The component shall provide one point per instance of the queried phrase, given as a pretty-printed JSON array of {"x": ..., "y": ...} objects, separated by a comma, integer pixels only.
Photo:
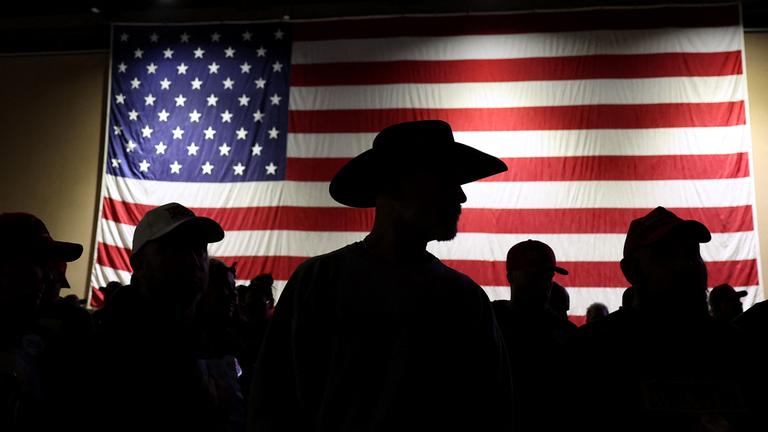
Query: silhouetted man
[
  {"x": 535, "y": 336},
  {"x": 153, "y": 378},
  {"x": 663, "y": 347},
  {"x": 28, "y": 256},
  {"x": 725, "y": 303},
  {"x": 380, "y": 335}
]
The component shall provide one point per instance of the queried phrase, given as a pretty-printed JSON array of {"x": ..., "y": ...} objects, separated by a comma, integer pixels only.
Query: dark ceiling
[{"x": 84, "y": 25}]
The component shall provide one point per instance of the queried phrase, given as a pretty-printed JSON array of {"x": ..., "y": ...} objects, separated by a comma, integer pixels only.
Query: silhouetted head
[
  {"x": 170, "y": 256},
  {"x": 27, "y": 261},
  {"x": 663, "y": 263},
  {"x": 413, "y": 176},
  {"x": 597, "y": 311},
  {"x": 559, "y": 300},
  {"x": 257, "y": 299},
  {"x": 531, "y": 265},
  {"x": 725, "y": 302}
]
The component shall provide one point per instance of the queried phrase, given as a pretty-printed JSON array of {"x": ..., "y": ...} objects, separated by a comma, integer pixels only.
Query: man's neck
[{"x": 395, "y": 244}]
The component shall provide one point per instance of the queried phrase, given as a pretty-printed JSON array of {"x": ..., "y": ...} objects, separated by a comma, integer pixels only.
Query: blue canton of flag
[{"x": 202, "y": 103}]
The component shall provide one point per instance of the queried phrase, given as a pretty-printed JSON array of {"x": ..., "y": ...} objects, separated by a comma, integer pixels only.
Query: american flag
[{"x": 600, "y": 114}]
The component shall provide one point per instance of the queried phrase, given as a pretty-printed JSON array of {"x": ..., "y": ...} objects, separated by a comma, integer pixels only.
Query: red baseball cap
[
  {"x": 658, "y": 224},
  {"x": 532, "y": 255}
]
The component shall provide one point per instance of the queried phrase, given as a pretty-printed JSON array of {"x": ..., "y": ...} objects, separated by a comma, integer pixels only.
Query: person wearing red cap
[
  {"x": 536, "y": 337},
  {"x": 663, "y": 347},
  {"x": 380, "y": 335}
]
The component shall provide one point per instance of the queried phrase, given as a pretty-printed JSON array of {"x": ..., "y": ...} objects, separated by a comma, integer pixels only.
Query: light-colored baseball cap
[{"x": 162, "y": 220}]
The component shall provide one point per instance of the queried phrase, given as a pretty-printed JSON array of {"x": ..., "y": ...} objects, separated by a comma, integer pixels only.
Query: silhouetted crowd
[{"x": 379, "y": 335}]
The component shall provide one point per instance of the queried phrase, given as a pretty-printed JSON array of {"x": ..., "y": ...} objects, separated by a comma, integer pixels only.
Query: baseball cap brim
[
  {"x": 560, "y": 270},
  {"x": 59, "y": 251}
]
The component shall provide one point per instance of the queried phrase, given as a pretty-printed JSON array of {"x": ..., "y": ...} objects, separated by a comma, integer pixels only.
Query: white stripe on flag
[{"x": 666, "y": 40}]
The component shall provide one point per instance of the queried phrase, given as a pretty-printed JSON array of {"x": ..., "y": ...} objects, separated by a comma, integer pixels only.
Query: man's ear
[{"x": 629, "y": 269}]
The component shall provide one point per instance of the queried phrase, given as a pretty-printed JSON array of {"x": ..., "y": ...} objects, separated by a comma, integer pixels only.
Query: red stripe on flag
[
  {"x": 528, "y": 118},
  {"x": 113, "y": 257},
  {"x": 572, "y": 168},
  {"x": 501, "y": 221},
  {"x": 604, "y": 274},
  {"x": 523, "y": 69},
  {"x": 529, "y": 22},
  {"x": 491, "y": 273}
]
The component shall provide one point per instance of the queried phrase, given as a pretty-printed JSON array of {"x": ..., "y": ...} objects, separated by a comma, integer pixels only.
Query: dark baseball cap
[
  {"x": 657, "y": 225},
  {"x": 25, "y": 235},
  {"x": 725, "y": 292},
  {"x": 532, "y": 255}
]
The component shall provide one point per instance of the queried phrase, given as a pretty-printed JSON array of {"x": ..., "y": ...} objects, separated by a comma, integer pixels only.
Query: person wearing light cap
[
  {"x": 380, "y": 335},
  {"x": 664, "y": 345},
  {"x": 152, "y": 377},
  {"x": 536, "y": 337}
]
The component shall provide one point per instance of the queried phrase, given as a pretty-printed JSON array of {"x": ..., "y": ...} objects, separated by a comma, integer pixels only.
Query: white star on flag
[
  {"x": 239, "y": 168},
  {"x": 258, "y": 116},
  {"x": 228, "y": 83},
  {"x": 120, "y": 98},
  {"x": 244, "y": 100},
  {"x": 271, "y": 169},
  {"x": 261, "y": 52},
  {"x": 256, "y": 150},
  {"x": 184, "y": 37},
  {"x": 151, "y": 68},
  {"x": 133, "y": 115},
  {"x": 226, "y": 117},
  {"x": 245, "y": 68},
  {"x": 213, "y": 68},
  {"x": 118, "y": 130},
  {"x": 182, "y": 68},
  {"x": 124, "y": 37},
  {"x": 275, "y": 99},
  {"x": 279, "y": 34},
  {"x": 241, "y": 133},
  {"x": 163, "y": 115},
  {"x": 209, "y": 133},
  {"x": 168, "y": 53},
  {"x": 122, "y": 67},
  {"x": 199, "y": 52},
  {"x": 115, "y": 163},
  {"x": 247, "y": 35},
  {"x": 144, "y": 166},
  {"x": 212, "y": 100},
  {"x": 178, "y": 133},
  {"x": 138, "y": 53},
  {"x": 277, "y": 67},
  {"x": 229, "y": 52},
  {"x": 194, "y": 117},
  {"x": 192, "y": 149},
  {"x": 196, "y": 83},
  {"x": 146, "y": 132},
  {"x": 130, "y": 146},
  {"x": 149, "y": 100},
  {"x": 165, "y": 84},
  {"x": 154, "y": 37},
  {"x": 224, "y": 150},
  {"x": 215, "y": 37},
  {"x": 180, "y": 100},
  {"x": 160, "y": 148},
  {"x": 260, "y": 83},
  {"x": 273, "y": 133},
  {"x": 135, "y": 83},
  {"x": 175, "y": 167},
  {"x": 207, "y": 168}
]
